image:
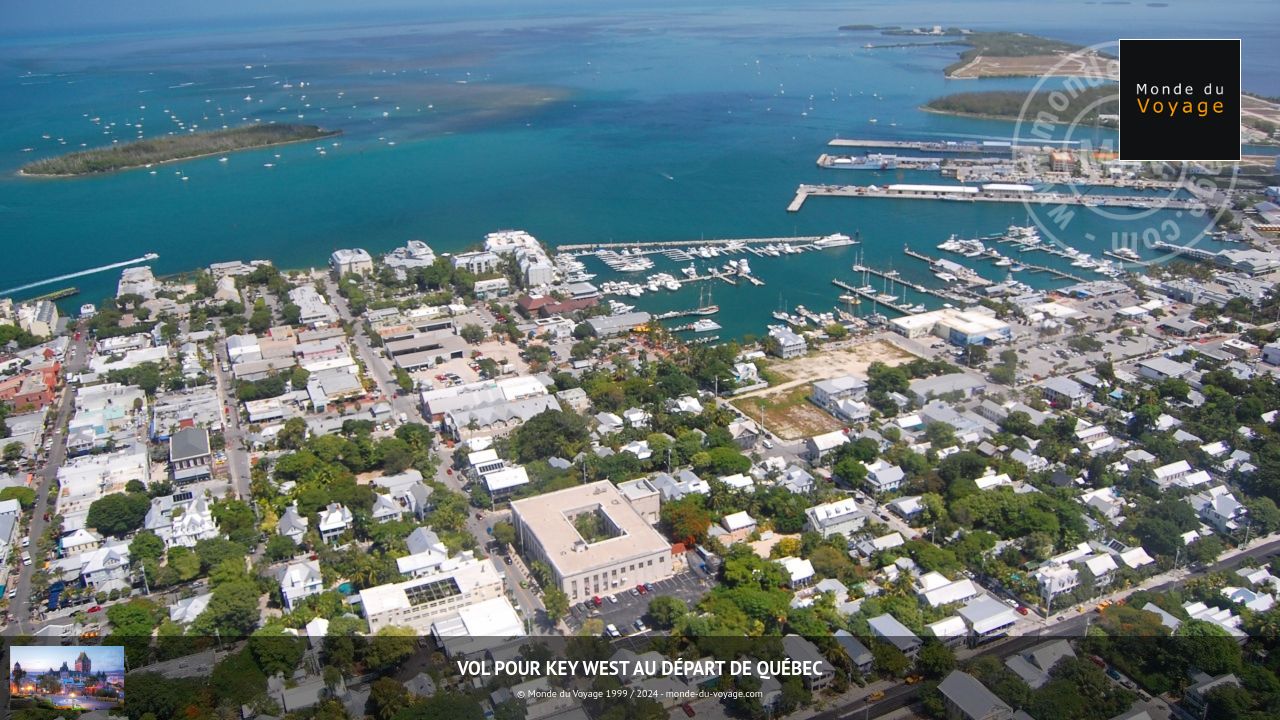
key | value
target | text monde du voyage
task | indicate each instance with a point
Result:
(1180, 99)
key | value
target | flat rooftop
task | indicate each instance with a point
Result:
(549, 518)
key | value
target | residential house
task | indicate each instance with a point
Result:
(292, 524)
(887, 628)
(883, 477)
(858, 653)
(1063, 392)
(987, 618)
(819, 447)
(1219, 508)
(335, 519)
(828, 393)
(299, 581)
(798, 648)
(788, 344)
(965, 698)
(1034, 665)
(842, 517)
(181, 519)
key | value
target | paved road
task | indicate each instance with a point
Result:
(233, 433)
(20, 605)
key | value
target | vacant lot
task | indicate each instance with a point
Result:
(787, 410)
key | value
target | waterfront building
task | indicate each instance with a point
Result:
(353, 261)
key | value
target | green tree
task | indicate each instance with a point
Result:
(472, 333)
(665, 611)
(118, 514)
(504, 532)
(25, 496)
(389, 647)
(146, 545)
(388, 698)
(280, 547)
(276, 651)
(936, 660)
(556, 603)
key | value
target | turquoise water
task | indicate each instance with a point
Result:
(584, 123)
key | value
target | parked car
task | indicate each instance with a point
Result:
(612, 630)
(688, 710)
(598, 602)
(95, 608)
(613, 599)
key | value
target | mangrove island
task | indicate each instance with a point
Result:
(169, 148)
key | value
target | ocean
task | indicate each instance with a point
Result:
(580, 122)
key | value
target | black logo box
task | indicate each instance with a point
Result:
(1180, 63)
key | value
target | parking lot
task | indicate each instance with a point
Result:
(631, 605)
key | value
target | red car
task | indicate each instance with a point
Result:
(641, 589)
(597, 601)
(95, 608)
(1022, 609)
(688, 710)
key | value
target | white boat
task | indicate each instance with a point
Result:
(743, 267)
(672, 285)
(87, 310)
(945, 277)
(1004, 262)
(834, 240)
(705, 325)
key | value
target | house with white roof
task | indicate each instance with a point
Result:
(292, 525)
(907, 507)
(335, 519)
(867, 548)
(828, 393)
(988, 618)
(799, 572)
(883, 477)
(685, 482)
(950, 631)
(1219, 508)
(842, 517)
(796, 480)
(819, 447)
(185, 611)
(181, 519)
(106, 567)
(936, 590)
(739, 525)
(298, 581)
(385, 509)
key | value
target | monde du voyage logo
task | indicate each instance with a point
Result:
(1180, 100)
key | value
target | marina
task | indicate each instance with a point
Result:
(877, 161)
(949, 146)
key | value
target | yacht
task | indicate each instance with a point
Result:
(834, 240)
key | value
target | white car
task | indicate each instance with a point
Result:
(26, 542)
(613, 630)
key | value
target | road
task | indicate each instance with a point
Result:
(20, 605)
(373, 362)
(232, 432)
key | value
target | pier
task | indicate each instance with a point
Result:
(978, 280)
(658, 246)
(873, 297)
(890, 162)
(948, 295)
(967, 193)
(964, 146)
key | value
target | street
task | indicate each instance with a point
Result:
(20, 606)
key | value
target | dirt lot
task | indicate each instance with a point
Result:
(787, 410)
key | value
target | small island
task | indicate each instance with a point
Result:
(1013, 54)
(170, 148)
(1008, 105)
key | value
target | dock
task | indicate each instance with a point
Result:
(58, 294)
(671, 314)
(662, 246)
(1032, 267)
(963, 146)
(948, 295)
(891, 162)
(970, 194)
(895, 306)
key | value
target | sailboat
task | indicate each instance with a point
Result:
(704, 308)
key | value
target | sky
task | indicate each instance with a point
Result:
(38, 658)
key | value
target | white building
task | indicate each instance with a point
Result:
(789, 345)
(828, 393)
(421, 601)
(415, 254)
(631, 552)
(883, 477)
(842, 517)
(292, 524)
(298, 581)
(193, 522)
(335, 519)
(355, 261)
